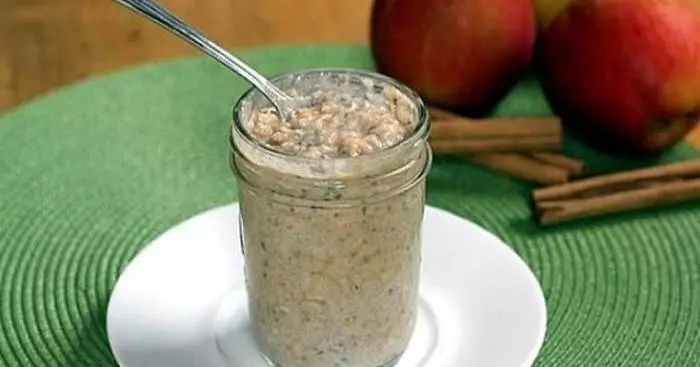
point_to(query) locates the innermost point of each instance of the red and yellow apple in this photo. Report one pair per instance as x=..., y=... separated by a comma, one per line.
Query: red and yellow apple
x=624, y=74
x=462, y=55
x=547, y=10
x=696, y=4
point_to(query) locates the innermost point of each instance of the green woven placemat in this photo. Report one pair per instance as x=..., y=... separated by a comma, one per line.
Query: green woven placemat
x=90, y=174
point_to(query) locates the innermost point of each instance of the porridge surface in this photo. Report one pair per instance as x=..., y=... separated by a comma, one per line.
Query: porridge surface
x=338, y=123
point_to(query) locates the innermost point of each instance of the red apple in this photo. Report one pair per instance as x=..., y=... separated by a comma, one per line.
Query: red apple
x=546, y=10
x=462, y=55
x=624, y=74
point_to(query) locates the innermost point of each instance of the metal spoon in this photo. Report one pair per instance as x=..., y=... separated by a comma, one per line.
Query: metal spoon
x=284, y=103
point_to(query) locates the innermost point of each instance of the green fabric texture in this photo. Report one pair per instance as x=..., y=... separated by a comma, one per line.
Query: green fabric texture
x=92, y=173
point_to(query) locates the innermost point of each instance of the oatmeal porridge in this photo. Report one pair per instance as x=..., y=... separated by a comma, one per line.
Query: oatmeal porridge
x=337, y=125
x=332, y=264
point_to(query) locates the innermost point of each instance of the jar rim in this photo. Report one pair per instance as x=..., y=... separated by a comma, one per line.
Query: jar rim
x=419, y=132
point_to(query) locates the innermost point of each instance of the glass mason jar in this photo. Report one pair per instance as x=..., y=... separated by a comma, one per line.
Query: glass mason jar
x=332, y=246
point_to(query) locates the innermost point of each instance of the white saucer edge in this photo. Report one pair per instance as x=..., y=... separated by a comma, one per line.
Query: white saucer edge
x=532, y=280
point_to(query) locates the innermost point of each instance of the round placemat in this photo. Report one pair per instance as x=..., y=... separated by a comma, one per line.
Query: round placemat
x=90, y=174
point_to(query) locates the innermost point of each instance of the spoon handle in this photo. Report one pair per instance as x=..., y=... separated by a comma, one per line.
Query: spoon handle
x=159, y=15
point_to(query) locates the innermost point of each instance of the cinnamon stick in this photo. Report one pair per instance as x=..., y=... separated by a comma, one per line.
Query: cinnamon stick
x=495, y=127
x=502, y=145
x=574, y=166
x=495, y=135
x=521, y=166
x=618, y=192
x=537, y=167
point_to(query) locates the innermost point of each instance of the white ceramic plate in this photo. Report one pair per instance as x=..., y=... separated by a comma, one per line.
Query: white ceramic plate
x=182, y=300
